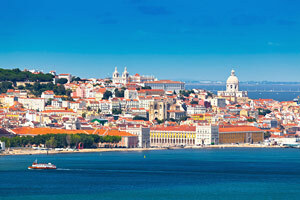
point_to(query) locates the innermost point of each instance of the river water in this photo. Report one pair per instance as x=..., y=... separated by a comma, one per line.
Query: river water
x=233, y=173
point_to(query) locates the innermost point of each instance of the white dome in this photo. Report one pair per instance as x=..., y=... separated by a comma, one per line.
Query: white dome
x=232, y=79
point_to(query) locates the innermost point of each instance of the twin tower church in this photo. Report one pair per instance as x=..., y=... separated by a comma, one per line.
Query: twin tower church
x=124, y=79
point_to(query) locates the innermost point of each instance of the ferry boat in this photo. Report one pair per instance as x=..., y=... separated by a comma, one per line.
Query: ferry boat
x=36, y=165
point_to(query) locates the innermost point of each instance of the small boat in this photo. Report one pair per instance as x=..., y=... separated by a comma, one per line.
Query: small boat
x=36, y=165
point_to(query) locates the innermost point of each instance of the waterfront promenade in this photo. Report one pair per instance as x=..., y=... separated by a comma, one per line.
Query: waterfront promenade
x=30, y=151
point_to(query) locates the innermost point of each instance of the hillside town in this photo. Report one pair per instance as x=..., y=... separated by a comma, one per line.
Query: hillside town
x=142, y=111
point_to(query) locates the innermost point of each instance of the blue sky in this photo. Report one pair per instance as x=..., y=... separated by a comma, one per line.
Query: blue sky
x=174, y=39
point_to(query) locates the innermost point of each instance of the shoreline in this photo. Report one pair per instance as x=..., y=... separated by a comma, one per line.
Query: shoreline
x=30, y=151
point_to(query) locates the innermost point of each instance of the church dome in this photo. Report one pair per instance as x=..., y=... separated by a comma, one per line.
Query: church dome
x=232, y=79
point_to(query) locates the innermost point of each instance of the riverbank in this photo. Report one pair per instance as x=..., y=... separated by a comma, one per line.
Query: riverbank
x=30, y=151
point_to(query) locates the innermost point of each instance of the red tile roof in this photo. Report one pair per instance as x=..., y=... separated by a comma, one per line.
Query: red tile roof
x=230, y=129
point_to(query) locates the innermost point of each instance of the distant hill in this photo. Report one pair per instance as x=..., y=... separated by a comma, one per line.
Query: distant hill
x=16, y=75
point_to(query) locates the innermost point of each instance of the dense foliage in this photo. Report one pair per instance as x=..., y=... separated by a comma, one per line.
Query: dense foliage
x=107, y=94
x=15, y=75
x=62, y=81
x=119, y=93
x=263, y=111
x=60, y=140
x=186, y=93
x=4, y=86
x=37, y=89
x=116, y=111
x=251, y=120
x=139, y=118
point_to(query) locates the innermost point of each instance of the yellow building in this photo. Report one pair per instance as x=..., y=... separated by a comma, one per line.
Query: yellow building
x=202, y=117
x=172, y=135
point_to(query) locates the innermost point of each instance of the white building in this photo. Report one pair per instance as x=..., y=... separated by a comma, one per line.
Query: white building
x=132, y=103
x=193, y=109
x=66, y=76
x=143, y=134
x=145, y=102
x=56, y=103
x=232, y=87
x=141, y=79
x=2, y=146
x=207, y=135
x=218, y=102
x=124, y=79
x=130, y=94
x=49, y=94
x=105, y=107
x=33, y=103
x=10, y=100
x=166, y=85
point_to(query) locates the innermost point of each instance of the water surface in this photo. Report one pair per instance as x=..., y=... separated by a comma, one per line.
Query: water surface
x=167, y=174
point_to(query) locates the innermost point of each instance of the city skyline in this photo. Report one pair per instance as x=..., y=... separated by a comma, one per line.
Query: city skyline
x=200, y=40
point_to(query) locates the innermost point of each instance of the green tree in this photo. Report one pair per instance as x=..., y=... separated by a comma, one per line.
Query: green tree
x=194, y=102
x=107, y=94
x=267, y=134
x=147, y=88
x=137, y=117
x=21, y=87
x=62, y=81
x=51, y=143
x=116, y=111
x=119, y=93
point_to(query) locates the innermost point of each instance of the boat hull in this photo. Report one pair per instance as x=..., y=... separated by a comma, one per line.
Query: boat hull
x=41, y=167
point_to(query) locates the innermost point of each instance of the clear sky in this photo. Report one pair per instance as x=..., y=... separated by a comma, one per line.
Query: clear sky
x=174, y=39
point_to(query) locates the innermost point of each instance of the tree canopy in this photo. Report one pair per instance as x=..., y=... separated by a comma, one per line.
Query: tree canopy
x=62, y=81
x=60, y=140
x=15, y=75
x=107, y=94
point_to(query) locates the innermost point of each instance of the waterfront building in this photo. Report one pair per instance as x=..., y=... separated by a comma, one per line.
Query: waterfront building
x=240, y=134
x=142, y=132
x=232, y=87
x=207, y=134
x=2, y=146
x=166, y=85
x=173, y=135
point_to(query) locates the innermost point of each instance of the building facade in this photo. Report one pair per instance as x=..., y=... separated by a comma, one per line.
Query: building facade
x=207, y=134
x=173, y=136
x=166, y=85
x=240, y=134
x=143, y=134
